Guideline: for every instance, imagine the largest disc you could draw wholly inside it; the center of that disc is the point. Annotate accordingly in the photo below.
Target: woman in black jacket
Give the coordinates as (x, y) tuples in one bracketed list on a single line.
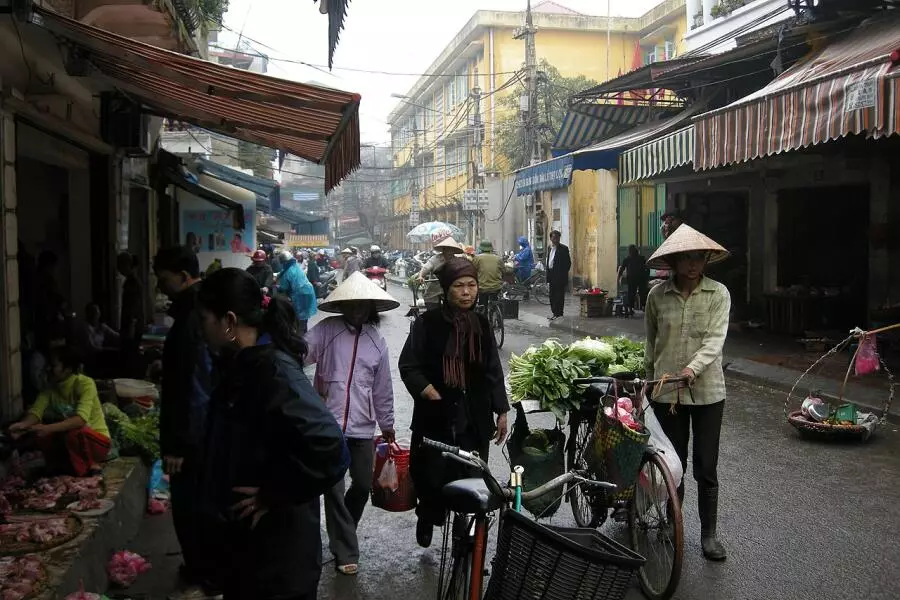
[(451, 367), (271, 450)]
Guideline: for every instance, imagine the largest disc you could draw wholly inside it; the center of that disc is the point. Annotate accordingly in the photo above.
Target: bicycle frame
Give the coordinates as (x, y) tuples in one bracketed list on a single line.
[(512, 493)]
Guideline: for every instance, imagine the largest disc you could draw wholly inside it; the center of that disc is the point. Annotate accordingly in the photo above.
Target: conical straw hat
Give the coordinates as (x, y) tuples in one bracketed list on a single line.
[(448, 242), (686, 239), (358, 287)]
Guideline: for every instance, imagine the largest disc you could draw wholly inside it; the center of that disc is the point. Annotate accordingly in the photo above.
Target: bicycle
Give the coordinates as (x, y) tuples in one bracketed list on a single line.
[(536, 284), (494, 314), (654, 514), (532, 560)]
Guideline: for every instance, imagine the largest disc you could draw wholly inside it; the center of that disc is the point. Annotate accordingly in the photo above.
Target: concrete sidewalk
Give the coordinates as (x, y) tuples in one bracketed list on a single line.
[(740, 349)]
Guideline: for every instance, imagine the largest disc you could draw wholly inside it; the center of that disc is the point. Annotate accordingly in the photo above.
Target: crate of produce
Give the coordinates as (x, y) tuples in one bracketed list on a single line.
[(595, 306)]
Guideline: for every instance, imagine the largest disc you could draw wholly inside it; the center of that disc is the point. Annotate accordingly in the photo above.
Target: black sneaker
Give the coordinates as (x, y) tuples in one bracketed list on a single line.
[(424, 532)]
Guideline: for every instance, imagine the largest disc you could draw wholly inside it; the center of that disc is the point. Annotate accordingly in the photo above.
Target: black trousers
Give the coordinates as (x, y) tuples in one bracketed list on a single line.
[(637, 289), (557, 296), (188, 529), (706, 423)]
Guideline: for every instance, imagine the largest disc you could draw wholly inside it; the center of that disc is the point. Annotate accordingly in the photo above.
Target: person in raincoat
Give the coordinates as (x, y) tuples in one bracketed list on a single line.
[(294, 284), (524, 260), (353, 377)]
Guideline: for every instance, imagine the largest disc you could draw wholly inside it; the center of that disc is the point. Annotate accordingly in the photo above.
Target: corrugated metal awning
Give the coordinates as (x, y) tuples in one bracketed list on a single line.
[(658, 156), (587, 123), (315, 123), (849, 87)]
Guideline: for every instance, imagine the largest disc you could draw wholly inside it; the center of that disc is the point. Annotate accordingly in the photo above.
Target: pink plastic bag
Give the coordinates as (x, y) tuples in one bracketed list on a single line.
[(124, 567), (867, 356)]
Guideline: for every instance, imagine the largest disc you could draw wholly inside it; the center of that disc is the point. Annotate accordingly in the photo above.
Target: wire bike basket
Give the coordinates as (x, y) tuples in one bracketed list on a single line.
[(558, 563), (857, 431)]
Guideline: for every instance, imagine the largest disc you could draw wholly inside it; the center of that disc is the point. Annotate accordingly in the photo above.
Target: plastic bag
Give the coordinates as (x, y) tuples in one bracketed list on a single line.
[(867, 356), (660, 442), (388, 478), (124, 567)]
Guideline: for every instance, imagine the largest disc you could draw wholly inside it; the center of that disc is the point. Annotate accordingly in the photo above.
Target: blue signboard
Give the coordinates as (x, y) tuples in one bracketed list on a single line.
[(549, 175)]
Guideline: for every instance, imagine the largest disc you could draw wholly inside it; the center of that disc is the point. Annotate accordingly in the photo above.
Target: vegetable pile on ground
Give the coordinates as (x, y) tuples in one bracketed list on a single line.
[(546, 372), (134, 436)]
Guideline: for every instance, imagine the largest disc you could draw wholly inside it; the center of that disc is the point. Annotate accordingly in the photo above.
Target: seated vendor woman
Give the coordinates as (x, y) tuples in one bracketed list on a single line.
[(66, 420)]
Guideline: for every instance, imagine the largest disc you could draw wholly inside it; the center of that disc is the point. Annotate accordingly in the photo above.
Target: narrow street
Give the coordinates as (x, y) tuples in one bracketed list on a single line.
[(801, 520)]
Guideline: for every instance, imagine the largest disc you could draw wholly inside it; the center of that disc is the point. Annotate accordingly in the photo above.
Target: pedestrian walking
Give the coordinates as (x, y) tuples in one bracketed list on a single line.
[(352, 261), (261, 271), (687, 321), (273, 447), (637, 276), (294, 284), (353, 377), (186, 386), (445, 250), (132, 317), (559, 261), (451, 367)]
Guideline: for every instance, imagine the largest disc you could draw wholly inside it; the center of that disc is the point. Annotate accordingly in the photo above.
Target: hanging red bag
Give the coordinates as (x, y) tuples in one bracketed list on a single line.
[(392, 486), (867, 356)]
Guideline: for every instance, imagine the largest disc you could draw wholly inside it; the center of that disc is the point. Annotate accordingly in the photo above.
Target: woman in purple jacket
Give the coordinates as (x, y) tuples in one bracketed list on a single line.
[(353, 376)]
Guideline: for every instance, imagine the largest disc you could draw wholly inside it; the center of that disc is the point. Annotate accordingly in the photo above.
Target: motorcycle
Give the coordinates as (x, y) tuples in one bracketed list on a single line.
[(376, 274), (326, 284)]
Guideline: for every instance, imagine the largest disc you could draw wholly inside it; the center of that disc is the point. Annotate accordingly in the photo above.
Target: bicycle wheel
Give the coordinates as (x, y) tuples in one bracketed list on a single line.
[(587, 508), (457, 587), (657, 528), (541, 289), (495, 316)]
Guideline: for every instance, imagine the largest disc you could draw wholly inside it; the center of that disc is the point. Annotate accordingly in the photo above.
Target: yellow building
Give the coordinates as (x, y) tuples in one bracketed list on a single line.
[(435, 118)]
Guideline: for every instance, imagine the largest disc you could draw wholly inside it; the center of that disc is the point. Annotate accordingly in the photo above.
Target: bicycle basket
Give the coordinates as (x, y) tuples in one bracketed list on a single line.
[(558, 563)]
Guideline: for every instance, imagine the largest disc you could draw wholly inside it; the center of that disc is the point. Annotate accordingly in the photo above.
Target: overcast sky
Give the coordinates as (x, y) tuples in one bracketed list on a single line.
[(390, 36)]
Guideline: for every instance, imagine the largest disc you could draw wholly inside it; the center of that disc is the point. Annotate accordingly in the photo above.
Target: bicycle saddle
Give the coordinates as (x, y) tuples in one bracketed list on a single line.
[(470, 496)]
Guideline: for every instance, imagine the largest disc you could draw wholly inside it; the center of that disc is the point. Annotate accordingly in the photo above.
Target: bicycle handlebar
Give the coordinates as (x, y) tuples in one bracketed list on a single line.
[(473, 460), (636, 380)]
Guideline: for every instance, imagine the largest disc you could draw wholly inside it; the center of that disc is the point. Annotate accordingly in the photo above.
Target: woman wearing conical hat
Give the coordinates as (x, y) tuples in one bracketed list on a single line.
[(353, 376), (687, 320)]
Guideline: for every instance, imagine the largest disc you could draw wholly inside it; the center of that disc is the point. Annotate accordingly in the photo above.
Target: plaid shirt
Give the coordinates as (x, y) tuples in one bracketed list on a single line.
[(688, 332)]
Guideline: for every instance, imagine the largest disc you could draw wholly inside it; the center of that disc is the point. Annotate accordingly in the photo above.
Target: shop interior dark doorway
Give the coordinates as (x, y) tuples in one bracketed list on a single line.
[(823, 250), (723, 216)]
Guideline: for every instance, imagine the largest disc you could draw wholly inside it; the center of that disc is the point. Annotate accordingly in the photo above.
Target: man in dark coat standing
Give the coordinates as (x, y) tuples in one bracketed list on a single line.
[(558, 264)]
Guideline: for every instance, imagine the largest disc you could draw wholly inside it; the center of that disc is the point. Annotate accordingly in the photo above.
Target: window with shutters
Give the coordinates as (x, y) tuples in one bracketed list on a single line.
[(452, 166), (439, 162), (439, 114)]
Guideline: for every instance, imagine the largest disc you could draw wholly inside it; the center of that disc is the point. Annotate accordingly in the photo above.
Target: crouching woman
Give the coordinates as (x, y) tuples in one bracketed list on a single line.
[(67, 419)]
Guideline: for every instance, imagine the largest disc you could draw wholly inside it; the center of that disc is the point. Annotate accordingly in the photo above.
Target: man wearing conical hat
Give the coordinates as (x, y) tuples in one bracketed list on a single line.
[(353, 376), (687, 320)]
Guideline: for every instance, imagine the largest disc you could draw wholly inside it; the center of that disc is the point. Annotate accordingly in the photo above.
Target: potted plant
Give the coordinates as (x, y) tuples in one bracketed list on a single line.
[(698, 18)]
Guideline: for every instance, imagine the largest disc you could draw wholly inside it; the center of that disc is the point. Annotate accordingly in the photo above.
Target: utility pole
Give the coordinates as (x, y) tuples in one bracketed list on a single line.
[(477, 163), (529, 106)]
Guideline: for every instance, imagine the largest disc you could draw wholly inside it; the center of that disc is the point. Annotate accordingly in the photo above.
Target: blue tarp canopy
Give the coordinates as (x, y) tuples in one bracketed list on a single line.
[(268, 195), (261, 186)]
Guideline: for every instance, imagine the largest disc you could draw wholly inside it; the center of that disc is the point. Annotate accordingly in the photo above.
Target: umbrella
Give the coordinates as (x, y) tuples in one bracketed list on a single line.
[(433, 232)]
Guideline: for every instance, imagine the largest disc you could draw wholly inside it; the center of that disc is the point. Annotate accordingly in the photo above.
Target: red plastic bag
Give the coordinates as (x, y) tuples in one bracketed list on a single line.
[(124, 567), (392, 486), (867, 356)]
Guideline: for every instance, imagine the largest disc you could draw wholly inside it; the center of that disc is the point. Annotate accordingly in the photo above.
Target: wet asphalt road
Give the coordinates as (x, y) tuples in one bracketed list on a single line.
[(801, 520)]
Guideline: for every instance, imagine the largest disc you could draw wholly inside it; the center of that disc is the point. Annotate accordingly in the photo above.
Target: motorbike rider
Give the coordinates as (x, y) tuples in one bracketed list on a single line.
[(524, 259), (261, 271), (376, 259), (446, 249), (352, 261)]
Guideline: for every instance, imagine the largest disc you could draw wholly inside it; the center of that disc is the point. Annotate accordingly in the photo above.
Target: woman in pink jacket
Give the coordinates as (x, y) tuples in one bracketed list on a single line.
[(353, 376)]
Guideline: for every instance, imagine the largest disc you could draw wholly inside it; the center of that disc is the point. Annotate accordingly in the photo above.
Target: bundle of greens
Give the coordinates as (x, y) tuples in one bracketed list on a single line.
[(629, 356), (133, 436), (546, 373)]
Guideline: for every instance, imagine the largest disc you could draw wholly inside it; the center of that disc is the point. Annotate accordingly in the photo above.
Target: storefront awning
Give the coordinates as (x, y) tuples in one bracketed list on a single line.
[(586, 123), (268, 188), (849, 87), (657, 156), (315, 123), (186, 180)]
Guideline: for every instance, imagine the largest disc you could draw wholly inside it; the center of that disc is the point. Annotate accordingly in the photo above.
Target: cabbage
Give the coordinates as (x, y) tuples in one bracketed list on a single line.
[(593, 349)]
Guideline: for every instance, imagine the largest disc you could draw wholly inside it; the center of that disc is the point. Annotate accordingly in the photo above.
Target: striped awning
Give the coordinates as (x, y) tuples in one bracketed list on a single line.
[(849, 87), (658, 156), (587, 123)]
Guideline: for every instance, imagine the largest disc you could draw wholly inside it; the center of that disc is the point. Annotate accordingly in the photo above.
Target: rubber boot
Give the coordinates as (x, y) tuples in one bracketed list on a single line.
[(708, 507)]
